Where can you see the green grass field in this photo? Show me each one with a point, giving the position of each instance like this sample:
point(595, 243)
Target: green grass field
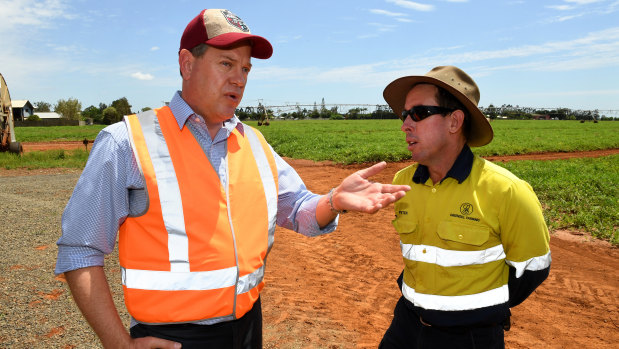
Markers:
point(358, 141)
point(576, 194)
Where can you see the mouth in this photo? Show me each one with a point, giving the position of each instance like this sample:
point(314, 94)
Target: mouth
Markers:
point(411, 142)
point(235, 97)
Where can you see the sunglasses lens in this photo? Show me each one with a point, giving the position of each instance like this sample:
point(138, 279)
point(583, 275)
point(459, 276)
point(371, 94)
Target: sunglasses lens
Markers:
point(420, 112)
point(423, 112)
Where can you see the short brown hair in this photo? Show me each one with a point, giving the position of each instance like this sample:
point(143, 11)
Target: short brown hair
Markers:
point(196, 52)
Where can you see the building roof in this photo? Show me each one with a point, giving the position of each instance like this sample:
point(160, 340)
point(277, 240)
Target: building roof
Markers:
point(48, 115)
point(20, 103)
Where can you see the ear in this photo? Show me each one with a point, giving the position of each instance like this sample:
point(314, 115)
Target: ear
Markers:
point(185, 62)
point(456, 119)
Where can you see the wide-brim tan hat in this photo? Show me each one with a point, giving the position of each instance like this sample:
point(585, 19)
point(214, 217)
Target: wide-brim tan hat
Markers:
point(459, 84)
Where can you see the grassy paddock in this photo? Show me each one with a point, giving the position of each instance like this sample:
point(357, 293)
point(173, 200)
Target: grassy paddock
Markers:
point(57, 133)
point(579, 193)
point(45, 159)
point(358, 141)
point(576, 193)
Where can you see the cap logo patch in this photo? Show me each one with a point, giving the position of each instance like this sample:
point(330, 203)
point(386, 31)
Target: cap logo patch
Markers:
point(234, 20)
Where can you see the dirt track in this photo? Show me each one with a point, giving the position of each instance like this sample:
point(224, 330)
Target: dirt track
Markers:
point(333, 291)
point(340, 288)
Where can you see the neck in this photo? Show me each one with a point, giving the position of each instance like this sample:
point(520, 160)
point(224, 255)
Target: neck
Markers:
point(213, 129)
point(439, 170)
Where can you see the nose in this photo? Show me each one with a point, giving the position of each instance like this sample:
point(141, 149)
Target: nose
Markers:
point(408, 124)
point(239, 78)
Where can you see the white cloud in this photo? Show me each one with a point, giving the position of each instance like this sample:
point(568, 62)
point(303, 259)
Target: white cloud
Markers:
point(566, 18)
point(592, 51)
point(383, 27)
point(387, 13)
point(583, 2)
point(154, 48)
point(32, 13)
point(283, 39)
point(561, 7)
point(412, 5)
point(142, 76)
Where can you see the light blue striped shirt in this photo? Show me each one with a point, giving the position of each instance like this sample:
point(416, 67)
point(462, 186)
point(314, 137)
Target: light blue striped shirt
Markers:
point(111, 188)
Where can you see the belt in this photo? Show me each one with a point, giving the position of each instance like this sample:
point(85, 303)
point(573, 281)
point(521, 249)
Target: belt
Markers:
point(506, 324)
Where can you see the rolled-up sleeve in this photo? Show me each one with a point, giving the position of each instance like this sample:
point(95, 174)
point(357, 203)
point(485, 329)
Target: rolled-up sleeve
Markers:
point(99, 203)
point(296, 207)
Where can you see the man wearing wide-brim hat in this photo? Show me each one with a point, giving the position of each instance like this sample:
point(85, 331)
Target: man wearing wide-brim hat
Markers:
point(473, 237)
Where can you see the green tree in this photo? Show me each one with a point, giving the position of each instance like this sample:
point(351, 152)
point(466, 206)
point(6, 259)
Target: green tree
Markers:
point(146, 108)
point(324, 113)
point(93, 113)
point(69, 109)
point(122, 106)
point(42, 107)
point(33, 117)
point(111, 115)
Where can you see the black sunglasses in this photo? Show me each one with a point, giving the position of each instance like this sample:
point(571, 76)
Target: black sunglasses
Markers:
point(420, 112)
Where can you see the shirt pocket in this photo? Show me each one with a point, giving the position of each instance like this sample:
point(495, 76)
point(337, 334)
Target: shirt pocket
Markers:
point(455, 233)
point(406, 229)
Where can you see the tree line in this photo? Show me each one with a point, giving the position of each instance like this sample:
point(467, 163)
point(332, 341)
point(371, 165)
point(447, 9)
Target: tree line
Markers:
point(71, 109)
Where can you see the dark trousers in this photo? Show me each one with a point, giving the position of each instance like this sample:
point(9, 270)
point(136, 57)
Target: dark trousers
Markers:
point(407, 331)
point(243, 333)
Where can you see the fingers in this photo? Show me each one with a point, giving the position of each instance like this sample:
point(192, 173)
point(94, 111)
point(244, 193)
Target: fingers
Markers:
point(382, 201)
point(390, 188)
point(372, 170)
point(154, 342)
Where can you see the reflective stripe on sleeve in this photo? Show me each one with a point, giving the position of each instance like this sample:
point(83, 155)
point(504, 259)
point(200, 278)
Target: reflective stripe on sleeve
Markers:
point(533, 264)
point(451, 258)
point(496, 296)
point(178, 281)
point(169, 194)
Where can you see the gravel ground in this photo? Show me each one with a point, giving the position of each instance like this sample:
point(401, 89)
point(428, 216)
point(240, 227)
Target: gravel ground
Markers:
point(36, 307)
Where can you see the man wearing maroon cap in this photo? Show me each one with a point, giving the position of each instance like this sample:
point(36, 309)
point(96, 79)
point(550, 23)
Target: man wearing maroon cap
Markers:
point(193, 195)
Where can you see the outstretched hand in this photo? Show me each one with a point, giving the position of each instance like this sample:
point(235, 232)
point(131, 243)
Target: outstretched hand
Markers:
point(358, 193)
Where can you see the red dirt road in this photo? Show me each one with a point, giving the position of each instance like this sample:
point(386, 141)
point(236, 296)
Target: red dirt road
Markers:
point(339, 290)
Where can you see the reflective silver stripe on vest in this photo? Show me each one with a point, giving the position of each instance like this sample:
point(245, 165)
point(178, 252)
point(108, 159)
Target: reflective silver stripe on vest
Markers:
point(268, 182)
point(170, 281)
point(249, 281)
point(496, 296)
point(451, 258)
point(169, 193)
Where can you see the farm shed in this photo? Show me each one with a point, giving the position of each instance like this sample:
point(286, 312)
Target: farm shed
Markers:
point(48, 115)
point(22, 109)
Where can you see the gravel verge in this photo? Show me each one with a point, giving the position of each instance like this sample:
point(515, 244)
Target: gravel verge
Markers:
point(36, 306)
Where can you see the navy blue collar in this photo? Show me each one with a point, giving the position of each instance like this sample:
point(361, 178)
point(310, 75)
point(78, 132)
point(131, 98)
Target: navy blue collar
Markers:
point(459, 171)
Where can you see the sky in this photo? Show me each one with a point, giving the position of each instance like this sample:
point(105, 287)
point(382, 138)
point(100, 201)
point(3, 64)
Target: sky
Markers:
point(538, 53)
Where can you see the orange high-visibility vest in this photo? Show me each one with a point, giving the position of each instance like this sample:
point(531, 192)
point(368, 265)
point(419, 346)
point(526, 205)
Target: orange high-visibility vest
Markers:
point(199, 250)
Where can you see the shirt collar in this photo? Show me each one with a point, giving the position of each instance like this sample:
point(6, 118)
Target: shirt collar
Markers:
point(182, 111)
point(459, 171)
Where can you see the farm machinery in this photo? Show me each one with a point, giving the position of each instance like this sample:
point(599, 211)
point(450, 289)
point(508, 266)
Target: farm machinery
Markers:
point(7, 130)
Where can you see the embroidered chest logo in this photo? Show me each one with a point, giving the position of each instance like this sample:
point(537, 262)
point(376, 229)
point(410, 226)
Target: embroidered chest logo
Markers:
point(466, 209)
point(234, 20)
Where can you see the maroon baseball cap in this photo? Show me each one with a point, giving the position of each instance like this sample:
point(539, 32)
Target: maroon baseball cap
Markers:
point(222, 28)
